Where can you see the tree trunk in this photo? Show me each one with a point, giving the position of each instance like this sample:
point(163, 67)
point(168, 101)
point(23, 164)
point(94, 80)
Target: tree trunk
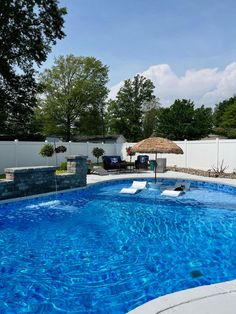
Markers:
point(68, 131)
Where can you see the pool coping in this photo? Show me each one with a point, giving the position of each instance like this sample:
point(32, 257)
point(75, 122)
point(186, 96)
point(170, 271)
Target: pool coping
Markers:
point(167, 175)
point(216, 298)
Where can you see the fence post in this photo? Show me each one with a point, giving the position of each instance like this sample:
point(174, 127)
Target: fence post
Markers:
point(47, 157)
point(69, 147)
point(217, 152)
point(88, 150)
point(185, 153)
point(16, 152)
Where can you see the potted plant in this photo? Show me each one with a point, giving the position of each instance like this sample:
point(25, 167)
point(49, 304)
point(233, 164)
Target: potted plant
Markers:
point(47, 150)
point(60, 149)
point(129, 152)
point(98, 152)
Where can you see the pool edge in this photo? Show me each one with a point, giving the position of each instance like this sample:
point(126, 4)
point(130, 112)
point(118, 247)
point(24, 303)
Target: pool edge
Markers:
point(204, 299)
point(110, 178)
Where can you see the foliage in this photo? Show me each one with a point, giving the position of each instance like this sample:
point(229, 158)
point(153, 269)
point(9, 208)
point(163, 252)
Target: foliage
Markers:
point(225, 118)
point(129, 152)
point(60, 149)
point(97, 152)
point(85, 123)
point(124, 115)
point(219, 170)
point(150, 120)
point(73, 87)
point(220, 109)
point(63, 166)
point(150, 117)
point(181, 121)
point(27, 31)
point(47, 150)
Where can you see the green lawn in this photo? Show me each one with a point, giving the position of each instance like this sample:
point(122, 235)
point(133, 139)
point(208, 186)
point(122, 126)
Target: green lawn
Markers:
point(2, 176)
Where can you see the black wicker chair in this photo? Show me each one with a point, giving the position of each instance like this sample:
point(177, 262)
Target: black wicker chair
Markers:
point(113, 162)
point(142, 162)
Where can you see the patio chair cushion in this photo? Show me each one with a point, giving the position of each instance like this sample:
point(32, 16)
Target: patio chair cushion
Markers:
point(142, 161)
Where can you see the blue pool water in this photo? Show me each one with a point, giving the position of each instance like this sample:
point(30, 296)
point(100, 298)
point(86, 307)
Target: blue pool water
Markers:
point(95, 250)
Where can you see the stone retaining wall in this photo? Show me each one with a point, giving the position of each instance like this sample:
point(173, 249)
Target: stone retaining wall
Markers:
point(204, 173)
point(24, 181)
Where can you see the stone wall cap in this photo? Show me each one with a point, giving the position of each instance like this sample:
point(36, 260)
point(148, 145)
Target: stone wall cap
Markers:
point(30, 169)
point(65, 174)
point(5, 181)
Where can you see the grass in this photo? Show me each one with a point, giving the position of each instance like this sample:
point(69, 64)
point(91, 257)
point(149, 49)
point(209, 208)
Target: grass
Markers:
point(2, 176)
point(59, 171)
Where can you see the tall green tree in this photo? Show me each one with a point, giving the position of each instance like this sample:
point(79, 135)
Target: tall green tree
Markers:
point(124, 114)
point(86, 123)
point(181, 121)
point(150, 117)
point(224, 117)
point(228, 121)
point(28, 29)
point(73, 88)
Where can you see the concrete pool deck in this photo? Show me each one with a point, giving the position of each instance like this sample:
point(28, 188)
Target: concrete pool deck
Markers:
point(93, 178)
point(213, 299)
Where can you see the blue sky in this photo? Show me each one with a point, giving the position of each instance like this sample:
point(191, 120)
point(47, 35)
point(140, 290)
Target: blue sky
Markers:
point(133, 35)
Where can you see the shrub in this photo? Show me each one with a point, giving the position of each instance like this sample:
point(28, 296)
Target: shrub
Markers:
point(98, 152)
point(47, 150)
point(219, 170)
point(63, 166)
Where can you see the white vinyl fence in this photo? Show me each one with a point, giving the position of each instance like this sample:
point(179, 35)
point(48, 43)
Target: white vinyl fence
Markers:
point(197, 154)
point(200, 154)
point(23, 154)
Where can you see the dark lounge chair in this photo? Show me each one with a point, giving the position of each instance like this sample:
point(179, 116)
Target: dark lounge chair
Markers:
point(113, 162)
point(142, 162)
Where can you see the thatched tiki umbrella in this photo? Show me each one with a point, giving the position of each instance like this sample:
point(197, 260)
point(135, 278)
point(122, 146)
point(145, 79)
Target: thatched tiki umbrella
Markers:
point(156, 145)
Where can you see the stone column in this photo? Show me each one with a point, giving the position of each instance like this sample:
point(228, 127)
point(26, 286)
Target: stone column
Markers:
point(77, 165)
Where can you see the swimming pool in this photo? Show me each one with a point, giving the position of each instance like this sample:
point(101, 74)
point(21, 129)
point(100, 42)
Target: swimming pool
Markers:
point(95, 250)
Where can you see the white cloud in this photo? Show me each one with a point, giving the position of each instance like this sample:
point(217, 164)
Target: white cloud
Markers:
point(204, 86)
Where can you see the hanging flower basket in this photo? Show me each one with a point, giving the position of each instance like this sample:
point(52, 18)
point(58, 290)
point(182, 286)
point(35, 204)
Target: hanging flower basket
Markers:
point(60, 149)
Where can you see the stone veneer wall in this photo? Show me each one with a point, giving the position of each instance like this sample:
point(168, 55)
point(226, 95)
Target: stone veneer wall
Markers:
point(24, 181)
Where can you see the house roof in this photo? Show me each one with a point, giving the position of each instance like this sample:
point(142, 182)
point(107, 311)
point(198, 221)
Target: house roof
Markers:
point(213, 137)
point(98, 137)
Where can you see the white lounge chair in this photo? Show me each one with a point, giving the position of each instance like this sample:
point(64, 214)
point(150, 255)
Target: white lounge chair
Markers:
point(135, 187)
point(175, 192)
point(172, 193)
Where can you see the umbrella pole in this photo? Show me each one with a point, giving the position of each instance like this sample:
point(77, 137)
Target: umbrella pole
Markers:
point(156, 169)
